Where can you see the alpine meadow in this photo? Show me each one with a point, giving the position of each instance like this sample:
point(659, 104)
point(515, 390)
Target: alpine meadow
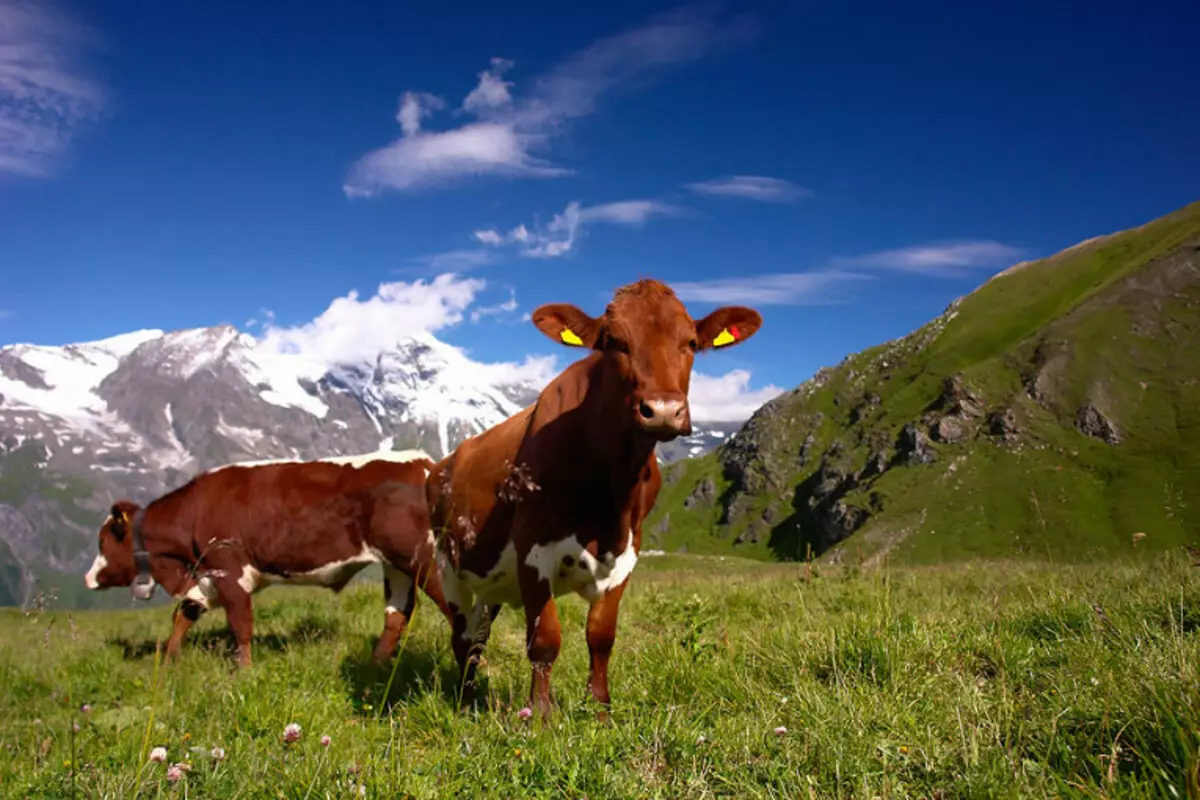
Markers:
point(958, 564)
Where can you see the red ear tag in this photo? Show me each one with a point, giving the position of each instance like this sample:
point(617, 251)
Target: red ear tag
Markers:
point(733, 330)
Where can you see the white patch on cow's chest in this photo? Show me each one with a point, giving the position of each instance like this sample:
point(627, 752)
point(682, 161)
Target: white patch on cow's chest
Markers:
point(92, 579)
point(568, 567)
point(499, 585)
point(331, 574)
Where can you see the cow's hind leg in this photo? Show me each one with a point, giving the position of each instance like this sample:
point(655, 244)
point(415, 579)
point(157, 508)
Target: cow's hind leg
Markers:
point(601, 633)
point(400, 594)
point(469, 635)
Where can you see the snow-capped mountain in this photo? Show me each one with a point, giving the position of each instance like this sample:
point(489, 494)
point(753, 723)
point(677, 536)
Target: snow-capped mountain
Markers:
point(138, 414)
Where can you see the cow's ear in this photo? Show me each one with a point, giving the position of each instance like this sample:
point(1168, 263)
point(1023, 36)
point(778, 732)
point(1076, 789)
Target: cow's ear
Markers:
point(727, 326)
point(120, 520)
point(566, 324)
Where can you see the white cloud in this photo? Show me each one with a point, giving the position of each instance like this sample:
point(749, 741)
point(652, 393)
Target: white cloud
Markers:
point(558, 237)
point(785, 288)
point(509, 130)
point(752, 187)
point(492, 91)
point(413, 107)
point(945, 259)
point(728, 397)
point(351, 329)
point(45, 100)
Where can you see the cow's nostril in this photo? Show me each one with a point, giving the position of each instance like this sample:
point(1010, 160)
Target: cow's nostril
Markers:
point(645, 410)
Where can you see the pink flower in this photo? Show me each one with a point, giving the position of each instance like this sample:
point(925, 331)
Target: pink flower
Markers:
point(158, 754)
point(174, 773)
point(525, 713)
point(325, 741)
point(780, 731)
point(291, 733)
point(86, 708)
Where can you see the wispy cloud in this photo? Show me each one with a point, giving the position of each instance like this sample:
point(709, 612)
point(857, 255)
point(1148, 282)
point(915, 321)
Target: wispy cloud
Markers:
point(499, 309)
point(752, 187)
point(558, 237)
point(508, 132)
point(45, 100)
point(941, 259)
point(822, 287)
point(457, 260)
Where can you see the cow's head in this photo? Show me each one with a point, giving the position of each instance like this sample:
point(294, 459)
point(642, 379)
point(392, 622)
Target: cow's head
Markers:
point(114, 565)
point(649, 341)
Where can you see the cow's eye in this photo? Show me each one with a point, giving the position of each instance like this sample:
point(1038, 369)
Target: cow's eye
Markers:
point(615, 344)
point(693, 344)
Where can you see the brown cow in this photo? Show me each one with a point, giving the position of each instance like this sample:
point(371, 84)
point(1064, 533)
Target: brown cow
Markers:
point(236, 529)
point(551, 501)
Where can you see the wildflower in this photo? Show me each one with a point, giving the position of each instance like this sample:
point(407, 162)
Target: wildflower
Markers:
point(701, 739)
point(780, 731)
point(158, 754)
point(325, 741)
point(291, 733)
point(217, 753)
point(517, 752)
point(86, 708)
point(174, 773)
point(525, 713)
point(75, 726)
point(187, 736)
point(903, 750)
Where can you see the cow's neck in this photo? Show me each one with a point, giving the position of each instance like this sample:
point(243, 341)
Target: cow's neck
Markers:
point(618, 450)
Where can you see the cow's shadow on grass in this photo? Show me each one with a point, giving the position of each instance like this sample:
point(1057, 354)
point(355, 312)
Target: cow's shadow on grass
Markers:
point(419, 671)
point(220, 639)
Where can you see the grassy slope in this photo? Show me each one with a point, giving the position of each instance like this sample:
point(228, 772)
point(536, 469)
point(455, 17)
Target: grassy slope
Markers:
point(983, 680)
point(1059, 493)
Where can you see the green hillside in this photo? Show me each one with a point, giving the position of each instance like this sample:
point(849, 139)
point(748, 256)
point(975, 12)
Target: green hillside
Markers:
point(1054, 412)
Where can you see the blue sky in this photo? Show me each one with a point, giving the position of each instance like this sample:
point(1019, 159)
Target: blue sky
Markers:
point(848, 169)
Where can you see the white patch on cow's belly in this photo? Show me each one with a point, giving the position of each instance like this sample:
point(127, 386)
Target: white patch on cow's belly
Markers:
point(92, 579)
point(330, 574)
point(589, 577)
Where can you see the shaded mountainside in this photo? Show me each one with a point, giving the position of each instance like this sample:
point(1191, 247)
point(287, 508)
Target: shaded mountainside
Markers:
point(1055, 412)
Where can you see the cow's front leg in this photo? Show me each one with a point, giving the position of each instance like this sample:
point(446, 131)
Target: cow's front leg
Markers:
point(239, 611)
point(185, 615)
point(543, 636)
point(601, 633)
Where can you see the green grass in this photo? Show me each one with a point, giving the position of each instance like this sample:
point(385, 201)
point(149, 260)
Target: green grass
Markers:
point(986, 679)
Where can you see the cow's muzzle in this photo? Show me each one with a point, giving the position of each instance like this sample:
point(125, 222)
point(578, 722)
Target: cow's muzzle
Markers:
point(664, 416)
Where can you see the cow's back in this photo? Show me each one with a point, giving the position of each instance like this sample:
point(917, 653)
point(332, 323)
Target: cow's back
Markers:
point(294, 517)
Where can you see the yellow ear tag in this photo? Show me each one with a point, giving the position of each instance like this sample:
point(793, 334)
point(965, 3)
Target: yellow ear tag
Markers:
point(724, 337)
point(569, 337)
